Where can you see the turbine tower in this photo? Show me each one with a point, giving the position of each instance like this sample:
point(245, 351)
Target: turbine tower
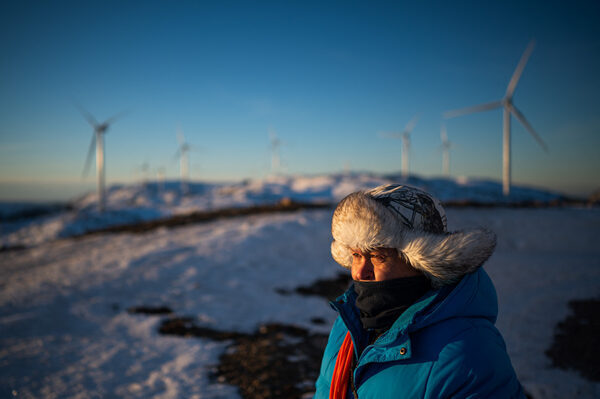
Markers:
point(405, 136)
point(275, 152)
point(506, 103)
point(97, 143)
point(144, 169)
point(184, 162)
point(446, 144)
point(160, 178)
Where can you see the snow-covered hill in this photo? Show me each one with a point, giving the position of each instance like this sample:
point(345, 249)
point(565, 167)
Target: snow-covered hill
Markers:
point(138, 203)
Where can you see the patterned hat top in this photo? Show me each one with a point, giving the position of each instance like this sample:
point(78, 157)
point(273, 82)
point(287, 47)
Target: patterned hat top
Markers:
point(415, 208)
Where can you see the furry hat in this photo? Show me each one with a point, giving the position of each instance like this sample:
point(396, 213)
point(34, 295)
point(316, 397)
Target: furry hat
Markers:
point(412, 222)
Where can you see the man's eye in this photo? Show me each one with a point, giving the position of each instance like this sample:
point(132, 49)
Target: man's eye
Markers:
point(355, 255)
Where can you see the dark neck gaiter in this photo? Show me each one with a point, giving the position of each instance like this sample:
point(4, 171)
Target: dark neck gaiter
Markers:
point(381, 302)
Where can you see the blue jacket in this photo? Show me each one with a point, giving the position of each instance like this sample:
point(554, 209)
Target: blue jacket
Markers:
point(445, 345)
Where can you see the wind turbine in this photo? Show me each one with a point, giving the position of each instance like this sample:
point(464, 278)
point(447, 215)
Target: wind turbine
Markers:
point(405, 136)
point(275, 151)
point(446, 145)
point(144, 168)
point(506, 103)
point(160, 177)
point(98, 143)
point(184, 162)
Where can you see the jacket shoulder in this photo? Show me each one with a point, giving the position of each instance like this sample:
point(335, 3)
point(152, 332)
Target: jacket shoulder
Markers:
point(474, 364)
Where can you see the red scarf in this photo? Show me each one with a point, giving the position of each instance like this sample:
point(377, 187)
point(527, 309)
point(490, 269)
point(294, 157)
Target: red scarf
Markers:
point(342, 370)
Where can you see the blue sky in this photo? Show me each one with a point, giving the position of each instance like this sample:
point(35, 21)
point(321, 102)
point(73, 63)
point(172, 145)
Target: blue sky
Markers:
point(327, 77)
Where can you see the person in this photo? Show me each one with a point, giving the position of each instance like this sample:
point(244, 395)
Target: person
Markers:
point(418, 320)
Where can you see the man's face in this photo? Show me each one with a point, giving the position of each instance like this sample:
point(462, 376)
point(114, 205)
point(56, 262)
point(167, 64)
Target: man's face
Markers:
point(378, 265)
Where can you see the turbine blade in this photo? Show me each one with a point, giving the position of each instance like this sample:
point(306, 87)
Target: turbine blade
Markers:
point(113, 118)
point(91, 120)
point(90, 156)
point(528, 126)
point(390, 135)
point(519, 70)
point(470, 110)
point(412, 123)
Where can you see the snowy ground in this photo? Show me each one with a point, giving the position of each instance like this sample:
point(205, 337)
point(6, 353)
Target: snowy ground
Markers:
point(65, 331)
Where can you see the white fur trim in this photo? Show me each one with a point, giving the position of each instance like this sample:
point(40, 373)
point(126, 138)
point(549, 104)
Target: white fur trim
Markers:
point(446, 258)
point(360, 222)
point(341, 254)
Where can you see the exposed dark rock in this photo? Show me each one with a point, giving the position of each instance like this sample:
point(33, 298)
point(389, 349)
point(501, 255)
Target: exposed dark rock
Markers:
point(140, 227)
point(150, 310)
point(327, 288)
point(276, 361)
point(9, 248)
point(577, 339)
point(283, 291)
point(26, 211)
point(185, 327)
point(208, 216)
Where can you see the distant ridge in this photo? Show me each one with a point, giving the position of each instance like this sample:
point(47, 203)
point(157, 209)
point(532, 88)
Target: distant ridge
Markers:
point(142, 207)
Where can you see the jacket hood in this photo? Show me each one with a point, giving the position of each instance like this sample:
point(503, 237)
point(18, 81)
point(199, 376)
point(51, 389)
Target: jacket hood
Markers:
point(474, 296)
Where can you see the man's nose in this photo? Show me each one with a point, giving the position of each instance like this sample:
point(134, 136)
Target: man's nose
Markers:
point(364, 269)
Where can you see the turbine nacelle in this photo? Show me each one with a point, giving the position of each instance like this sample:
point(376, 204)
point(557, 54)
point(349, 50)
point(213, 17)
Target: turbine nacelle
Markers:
point(101, 129)
point(185, 147)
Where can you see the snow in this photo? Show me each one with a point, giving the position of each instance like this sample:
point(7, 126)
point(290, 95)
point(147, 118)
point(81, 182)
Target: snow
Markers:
point(65, 331)
point(150, 201)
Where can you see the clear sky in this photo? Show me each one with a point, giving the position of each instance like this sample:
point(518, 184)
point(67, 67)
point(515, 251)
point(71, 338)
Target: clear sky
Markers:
point(327, 77)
